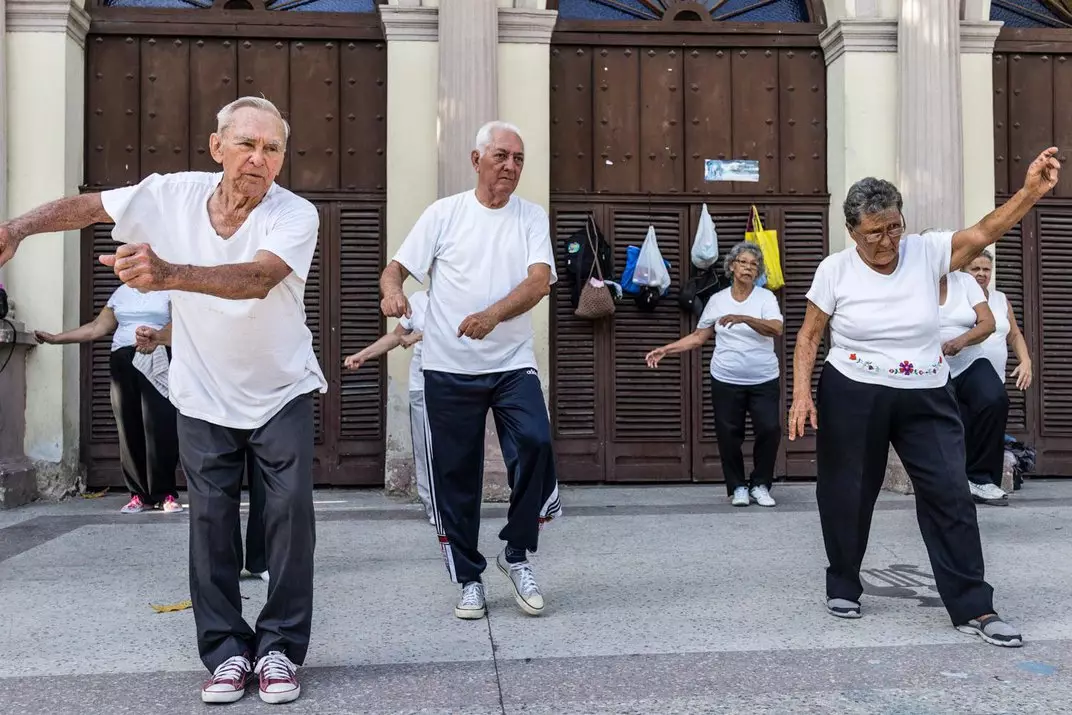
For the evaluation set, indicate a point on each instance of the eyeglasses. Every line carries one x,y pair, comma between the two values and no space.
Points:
874,237
746,264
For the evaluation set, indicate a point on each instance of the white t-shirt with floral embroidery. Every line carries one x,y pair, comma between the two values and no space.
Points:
957,316
884,329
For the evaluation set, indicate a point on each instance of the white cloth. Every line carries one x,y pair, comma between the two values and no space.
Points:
476,256
155,367
235,363
884,329
956,316
134,309
418,308
996,346
742,356
422,469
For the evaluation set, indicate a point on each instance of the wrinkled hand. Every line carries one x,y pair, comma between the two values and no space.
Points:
952,347
1043,173
653,358
355,361
395,305
1022,373
45,338
137,265
801,413
8,243
147,339
478,325
727,320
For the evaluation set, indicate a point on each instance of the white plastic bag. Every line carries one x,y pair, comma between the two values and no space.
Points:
650,268
705,246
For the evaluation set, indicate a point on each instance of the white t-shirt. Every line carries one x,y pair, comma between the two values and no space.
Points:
884,329
235,363
418,308
475,257
134,309
957,316
996,346
742,356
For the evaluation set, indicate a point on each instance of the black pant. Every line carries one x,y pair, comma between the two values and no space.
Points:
857,424
457,408
984,409
145,420
214,459
255,558
763,403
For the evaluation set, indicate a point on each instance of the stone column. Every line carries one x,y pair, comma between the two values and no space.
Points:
18,482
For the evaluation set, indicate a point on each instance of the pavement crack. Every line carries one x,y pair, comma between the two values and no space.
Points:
495,662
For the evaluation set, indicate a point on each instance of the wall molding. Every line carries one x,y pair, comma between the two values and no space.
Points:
978,38
858,36
518,25
410,24
48,16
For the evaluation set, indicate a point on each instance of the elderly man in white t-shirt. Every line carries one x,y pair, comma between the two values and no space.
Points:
489,258
235,251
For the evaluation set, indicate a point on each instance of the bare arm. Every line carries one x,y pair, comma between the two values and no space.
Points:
767,328
101,326
519,301
67,214
238,281
692,341
384,345
1042,176
809,337
394,303
983,329
1023,371
147,339
411,339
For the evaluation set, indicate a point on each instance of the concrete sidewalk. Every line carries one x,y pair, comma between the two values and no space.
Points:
661,600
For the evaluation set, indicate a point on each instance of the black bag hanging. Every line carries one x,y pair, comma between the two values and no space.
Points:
579,257
699,289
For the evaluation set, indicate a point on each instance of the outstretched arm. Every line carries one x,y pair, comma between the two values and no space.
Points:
692,341
385,344
67,214
101,326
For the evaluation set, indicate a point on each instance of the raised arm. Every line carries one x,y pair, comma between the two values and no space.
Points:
67,214
1042,176
101,326
809,337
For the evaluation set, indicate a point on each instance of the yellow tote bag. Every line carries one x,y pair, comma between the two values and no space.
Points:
768,244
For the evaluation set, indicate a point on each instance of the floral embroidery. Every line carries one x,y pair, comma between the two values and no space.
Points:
863,364
906,368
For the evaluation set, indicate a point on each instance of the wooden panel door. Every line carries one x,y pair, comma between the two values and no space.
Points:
1011,280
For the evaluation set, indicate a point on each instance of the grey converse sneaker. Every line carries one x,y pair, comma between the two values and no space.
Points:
471,605
526,591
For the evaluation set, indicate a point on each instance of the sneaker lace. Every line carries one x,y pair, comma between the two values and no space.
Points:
526,579
761,492
234,668
276,666
472,594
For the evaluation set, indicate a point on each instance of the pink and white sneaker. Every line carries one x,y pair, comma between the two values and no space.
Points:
171,505
278,678
135,506
228,682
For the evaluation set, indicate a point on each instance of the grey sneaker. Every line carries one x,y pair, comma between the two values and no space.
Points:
471,606
994,631
740,497
842,608
761,495
988,494
526,591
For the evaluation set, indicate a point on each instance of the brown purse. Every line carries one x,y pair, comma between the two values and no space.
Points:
595,302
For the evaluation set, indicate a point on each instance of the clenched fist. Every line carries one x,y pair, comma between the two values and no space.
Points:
395,305
139,267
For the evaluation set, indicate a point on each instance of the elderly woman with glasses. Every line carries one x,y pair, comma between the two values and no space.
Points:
745,320
885,382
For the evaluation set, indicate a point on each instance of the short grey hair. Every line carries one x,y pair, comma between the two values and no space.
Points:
735,253
987,255
226,115
870,196
487,133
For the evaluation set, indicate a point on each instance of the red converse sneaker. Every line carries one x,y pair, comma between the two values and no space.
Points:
228,682
279,678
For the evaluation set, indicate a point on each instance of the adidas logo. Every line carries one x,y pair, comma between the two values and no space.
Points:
532,372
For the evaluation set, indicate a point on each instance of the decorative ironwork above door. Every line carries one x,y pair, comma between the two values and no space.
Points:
249,5
685,10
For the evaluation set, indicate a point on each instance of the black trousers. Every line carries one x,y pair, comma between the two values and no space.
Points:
214,459
730,404
457,408
145,420
984,410
255,559
857,424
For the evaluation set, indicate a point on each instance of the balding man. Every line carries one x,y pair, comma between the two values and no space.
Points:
234,249
488,256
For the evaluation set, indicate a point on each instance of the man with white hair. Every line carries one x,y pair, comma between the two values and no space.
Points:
234,249
489,257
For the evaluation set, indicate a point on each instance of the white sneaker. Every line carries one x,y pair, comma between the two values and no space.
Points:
761,495
471,606
278,678
526,591
740,497
995,492
987,493
228,681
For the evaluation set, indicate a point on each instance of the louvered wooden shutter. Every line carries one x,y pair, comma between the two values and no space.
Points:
100,439
315,299
1010,281
574,386
650,438
1055,280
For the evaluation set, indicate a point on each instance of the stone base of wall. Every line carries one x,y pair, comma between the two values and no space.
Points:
18,483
